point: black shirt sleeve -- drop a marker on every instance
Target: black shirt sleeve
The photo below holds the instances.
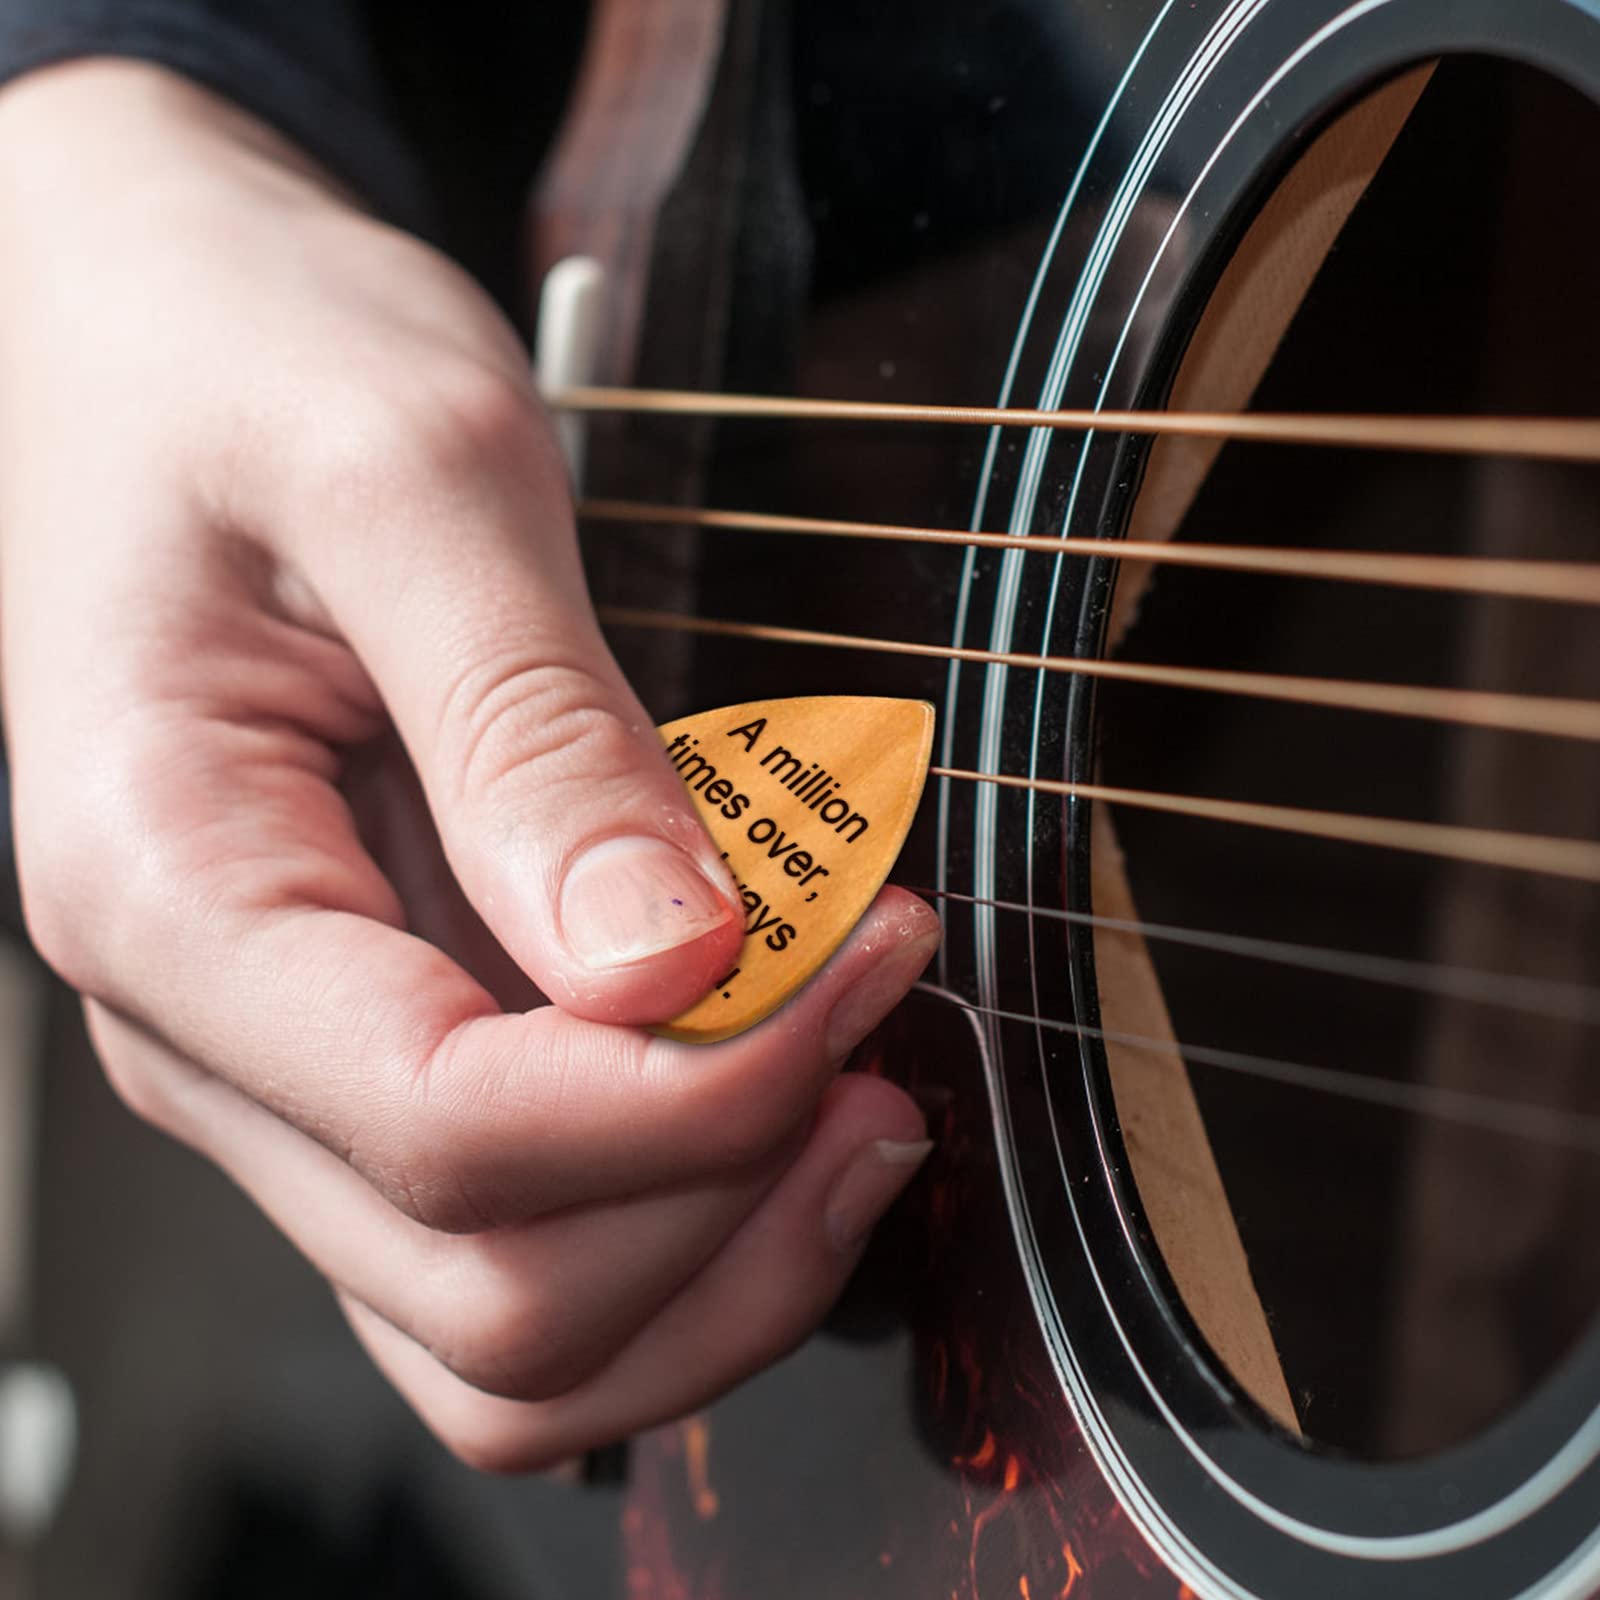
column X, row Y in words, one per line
column 435, row 114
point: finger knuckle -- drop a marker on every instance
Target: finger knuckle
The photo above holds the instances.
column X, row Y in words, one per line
column 486, row 1441
column 481, row 413
column 733, row 1123
column 515, row 713
column 745, row 1134
column 430, row 1141
column 135, row 1085
column 425, row 1179
column 106, row 874
column 65, row 861
column 54, row 915
column 466, row 421
column 516, row 1342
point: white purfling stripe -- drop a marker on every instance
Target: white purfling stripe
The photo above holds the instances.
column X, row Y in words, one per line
column 1584, row 1445
column 1204, row 1577
column 991, row 448
column 1146, row 1514
column 1582, row 1565
column 984, row 812
column 1008, row 580
column 1572, row 1580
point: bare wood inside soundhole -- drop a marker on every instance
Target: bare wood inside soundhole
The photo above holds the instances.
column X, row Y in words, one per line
column 1245, row 320
column 1165, row 1137
column 1255, row 301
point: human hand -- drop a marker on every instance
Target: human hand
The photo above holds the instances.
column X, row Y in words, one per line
column 320, row 764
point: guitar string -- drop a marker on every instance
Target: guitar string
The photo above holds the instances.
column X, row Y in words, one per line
column 1510, row 713
column 1541, row 438
column 1540, row 997
column 1559, row 857
column 1548, row 438
column 1490, row 847
column 1567, row 582
column 1492, row 1113
column 1483, row 845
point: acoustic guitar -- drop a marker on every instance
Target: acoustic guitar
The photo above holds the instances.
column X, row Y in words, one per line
column 1193, row 400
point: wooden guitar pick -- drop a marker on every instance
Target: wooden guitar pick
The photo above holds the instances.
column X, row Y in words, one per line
column 809, row 800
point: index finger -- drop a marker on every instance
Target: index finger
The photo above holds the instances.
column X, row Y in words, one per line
column 237, row 916
column 467, row 1118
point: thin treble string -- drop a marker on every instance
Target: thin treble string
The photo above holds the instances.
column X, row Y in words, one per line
column 1540, row 997
column 1518, row 1118
column 1567, row 582
column 1543, row 438
column 1512, row 713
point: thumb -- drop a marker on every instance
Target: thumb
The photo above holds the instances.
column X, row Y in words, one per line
column 560, row 816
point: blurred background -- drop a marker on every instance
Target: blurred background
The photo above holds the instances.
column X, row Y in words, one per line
column 183, row 1413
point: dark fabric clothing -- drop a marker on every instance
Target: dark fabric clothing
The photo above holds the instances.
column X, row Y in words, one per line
column 435, row 114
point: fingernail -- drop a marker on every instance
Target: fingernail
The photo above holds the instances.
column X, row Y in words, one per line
column 862, row 1008
column 867, row 1187
column 627, row 899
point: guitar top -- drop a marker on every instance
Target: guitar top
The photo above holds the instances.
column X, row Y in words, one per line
column 1256, row 1255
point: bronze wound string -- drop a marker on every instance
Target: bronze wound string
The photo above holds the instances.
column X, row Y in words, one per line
column 1559, row 857
column 1489, row 847
column 1515, row 713
column 1536, row 438
column 1574, row 582
column 1563, row 582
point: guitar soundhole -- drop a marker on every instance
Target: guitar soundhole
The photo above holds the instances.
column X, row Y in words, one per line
column 1424, row 1264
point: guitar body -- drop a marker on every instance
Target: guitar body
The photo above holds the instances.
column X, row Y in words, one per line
column 1159, row 1318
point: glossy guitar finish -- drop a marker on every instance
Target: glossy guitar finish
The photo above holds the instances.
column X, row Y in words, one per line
column 934, row 1461
column 1032, row 203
